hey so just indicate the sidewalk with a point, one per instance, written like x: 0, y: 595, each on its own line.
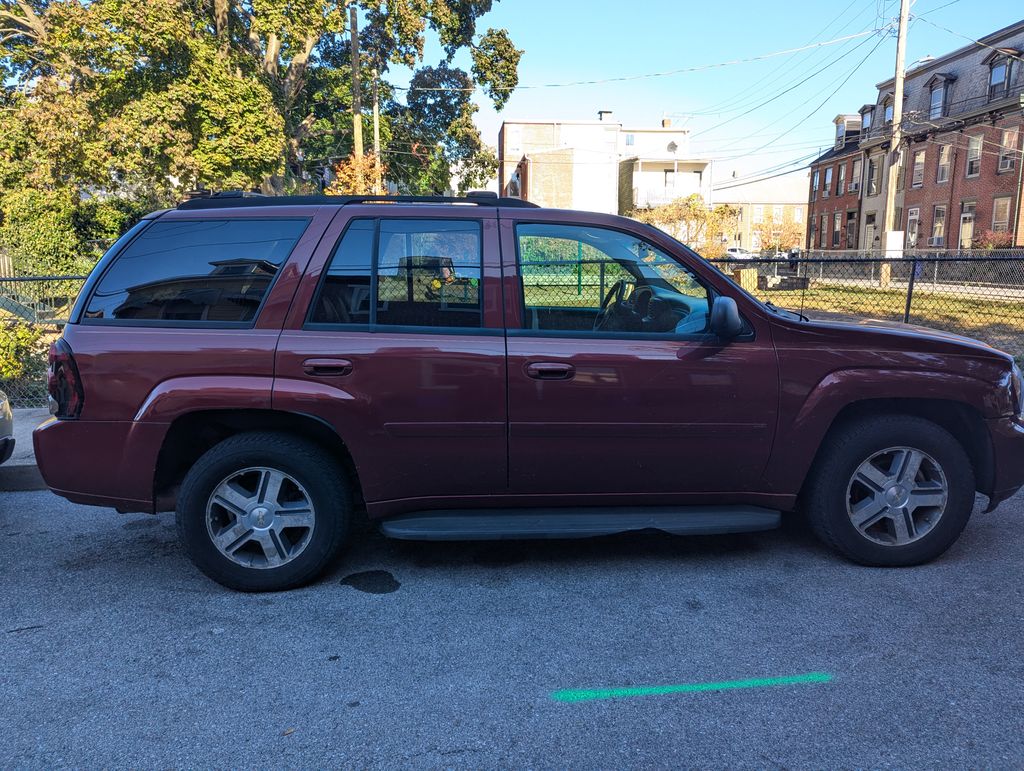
x: 20, y: 472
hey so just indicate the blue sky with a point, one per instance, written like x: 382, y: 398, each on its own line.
x: 570, y: 40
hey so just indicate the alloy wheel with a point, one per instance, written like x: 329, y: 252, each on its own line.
x: 897, y: 496
x: 260, y: 517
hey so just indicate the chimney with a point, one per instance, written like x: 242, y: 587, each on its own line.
x: 602, y: 113
x: 666, y: 123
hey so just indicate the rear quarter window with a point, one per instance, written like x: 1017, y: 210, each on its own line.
x: 208, y: 272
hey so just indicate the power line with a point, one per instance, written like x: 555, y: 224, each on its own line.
x: 730, y: 104
x: 782, y: 93
x: 965, y: 37
x: 665, y: 73
x: 824, y: 102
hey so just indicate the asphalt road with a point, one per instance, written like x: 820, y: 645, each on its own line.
x: 114, y: 651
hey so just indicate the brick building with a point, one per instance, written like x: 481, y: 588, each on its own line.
x: 959, y: 180
x: 834, y: 201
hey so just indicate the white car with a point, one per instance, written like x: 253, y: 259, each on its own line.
x: 6, y: 428
x: 738, y: 253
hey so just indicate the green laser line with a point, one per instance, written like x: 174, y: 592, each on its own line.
x: 590, y: 694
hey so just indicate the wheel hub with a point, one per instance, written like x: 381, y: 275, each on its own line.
x: 897, y: 496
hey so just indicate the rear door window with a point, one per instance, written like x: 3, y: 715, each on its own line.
x: 205, y: 272
x: 404, y: 272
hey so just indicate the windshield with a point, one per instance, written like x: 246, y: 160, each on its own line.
x: 769, y: 306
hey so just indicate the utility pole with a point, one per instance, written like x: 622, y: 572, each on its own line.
x: 895, y: 151
x: 357, y: 106
x: 377, y: 181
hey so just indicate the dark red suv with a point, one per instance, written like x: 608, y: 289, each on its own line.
x: 480, y: 368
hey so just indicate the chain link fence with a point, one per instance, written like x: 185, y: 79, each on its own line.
x: 32, y: 312
x: 978, y: 295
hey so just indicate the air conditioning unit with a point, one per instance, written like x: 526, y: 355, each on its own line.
x: 854, y: 187
x: 936, y: 241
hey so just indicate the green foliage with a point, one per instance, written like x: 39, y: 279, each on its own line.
x: 137, y: 102
x: 39, y: 233
x: 22, y: 352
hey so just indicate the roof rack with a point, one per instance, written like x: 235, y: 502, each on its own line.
x: 231, y: 199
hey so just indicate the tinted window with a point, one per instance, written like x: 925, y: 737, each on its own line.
x: 195, y: 271
x: 427, y: 274
x: 345, y: 293
x: 583, y: 278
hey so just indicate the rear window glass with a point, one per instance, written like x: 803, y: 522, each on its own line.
x: 212, y: 271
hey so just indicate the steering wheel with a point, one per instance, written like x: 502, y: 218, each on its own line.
x: 610, y: 303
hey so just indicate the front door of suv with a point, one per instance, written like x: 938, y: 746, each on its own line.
x: 616, y: 385
x: 396, y: 340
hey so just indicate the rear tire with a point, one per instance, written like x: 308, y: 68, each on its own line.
x: 895, y: 490
x: 264, y: 512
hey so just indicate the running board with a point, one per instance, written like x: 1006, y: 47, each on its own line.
x: 498, y: 524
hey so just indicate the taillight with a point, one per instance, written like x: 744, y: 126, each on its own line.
x: 63, y: 383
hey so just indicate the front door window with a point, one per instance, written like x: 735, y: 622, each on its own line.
x: 588, y: 279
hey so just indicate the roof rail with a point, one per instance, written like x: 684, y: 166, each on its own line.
x: 233, y: 199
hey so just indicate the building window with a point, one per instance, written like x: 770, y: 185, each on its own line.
x: 918, y: 179
x: 828, y: 183
x: 798, y: 216
x: 865, y: 121
x: 630, y: 140
x: 840, y: 134
x: 913, y: 220
x: 942, y: 175
x: 1001, y: 214
x: 938, y: 226
x: 841, y: 183
x: 776, y: 214
x: 824, y: 231
x: 967, y: 224
x: 1008, y: 149
x: 814, y: 186
x: 974, y: 155
x: 758, y: 215
x: 855, y: 176
x: 937, y: 104
x: 901, y: 173
x: 888, y: 114
x: 837, y: 226
x: 999, y: 79
x: 873, y: 176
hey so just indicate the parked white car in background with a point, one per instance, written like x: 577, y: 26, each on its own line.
x: 739, y: 253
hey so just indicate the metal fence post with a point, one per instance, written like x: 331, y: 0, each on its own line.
x: 910, y: 291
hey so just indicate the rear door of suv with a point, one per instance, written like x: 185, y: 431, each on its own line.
x: 396, y: 340
x: 637, y: 398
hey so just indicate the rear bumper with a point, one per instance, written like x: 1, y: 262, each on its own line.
x: 100, y: 463
x: 1008, y: 457
x: 6, y: 448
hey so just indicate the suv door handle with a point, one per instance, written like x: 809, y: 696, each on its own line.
x: 327, y: 367
x: 550, y: 370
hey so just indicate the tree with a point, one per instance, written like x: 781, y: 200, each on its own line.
x: 692, y: 221
x: 778, y: 236
x: 114, y: 100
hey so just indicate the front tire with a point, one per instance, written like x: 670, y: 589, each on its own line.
x: 263, y: 512
x: 895, y: 490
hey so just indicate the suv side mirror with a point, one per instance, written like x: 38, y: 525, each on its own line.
x: 725, y: 318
